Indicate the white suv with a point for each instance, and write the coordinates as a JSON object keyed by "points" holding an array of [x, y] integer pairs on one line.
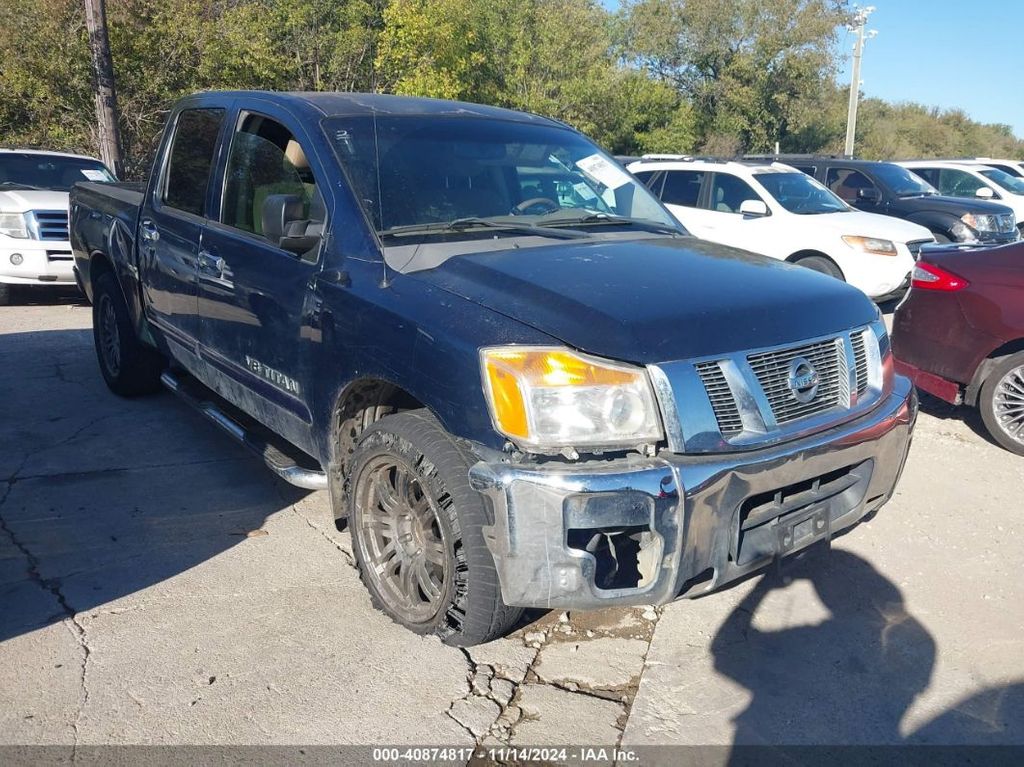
{"points": [[34, 186], [776, 210], [968, 178]]}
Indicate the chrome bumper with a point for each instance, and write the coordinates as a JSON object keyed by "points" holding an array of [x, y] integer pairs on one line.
{"points": [[711, 518]]}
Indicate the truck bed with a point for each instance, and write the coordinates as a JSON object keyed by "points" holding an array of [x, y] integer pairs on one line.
{"points": [[103, 220]]}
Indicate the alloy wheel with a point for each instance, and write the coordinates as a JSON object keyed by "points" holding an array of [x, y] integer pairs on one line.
{"points": [[1008, 404], [110, 337]]}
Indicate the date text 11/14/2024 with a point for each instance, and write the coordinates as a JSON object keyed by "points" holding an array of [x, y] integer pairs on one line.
{"points": [[501, 754]]}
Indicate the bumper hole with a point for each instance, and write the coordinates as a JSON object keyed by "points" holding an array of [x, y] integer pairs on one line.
{"points": [[625, 556]]}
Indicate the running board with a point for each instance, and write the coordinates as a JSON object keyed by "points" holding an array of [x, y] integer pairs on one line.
{"points": [[257, 439]]}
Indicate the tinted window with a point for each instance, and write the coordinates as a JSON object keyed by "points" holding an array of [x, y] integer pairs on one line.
{"points": [[188, 172], [901, 181], [931, 175], [958, 183], [682, 187], [32, 170], [645, 176], [810, 170], [1009, 169], [798, 193], [265, 160], [1004, 179], [729, 192], [847, 182]]}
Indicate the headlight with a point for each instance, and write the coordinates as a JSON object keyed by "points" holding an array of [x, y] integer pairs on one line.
{"points": [[14, 225], [962, 232], [552, 398], [870, 245], [983, 223]]}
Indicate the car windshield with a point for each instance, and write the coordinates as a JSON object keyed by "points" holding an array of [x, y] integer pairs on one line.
{"points": [[800, 194], [1004, 179], [431, 173], [901, 181], [29, 170]]}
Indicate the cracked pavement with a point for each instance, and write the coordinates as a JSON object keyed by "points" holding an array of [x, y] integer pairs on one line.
{"points": [[158, 585]]}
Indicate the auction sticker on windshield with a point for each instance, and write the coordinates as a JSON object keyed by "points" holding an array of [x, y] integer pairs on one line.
{"points": [[601, 170], [95, 175]]}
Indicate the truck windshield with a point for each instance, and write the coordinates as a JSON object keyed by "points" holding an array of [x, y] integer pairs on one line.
{"points": [[29, 170], [800, 194], [429, 173], [901, 181], [1010, 183]]}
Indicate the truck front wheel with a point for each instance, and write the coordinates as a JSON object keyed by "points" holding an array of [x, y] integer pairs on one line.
{"points": [[417, 533], [129, 367]]}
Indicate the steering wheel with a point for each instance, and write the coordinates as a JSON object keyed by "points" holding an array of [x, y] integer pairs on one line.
{"points": [[524, 207]]}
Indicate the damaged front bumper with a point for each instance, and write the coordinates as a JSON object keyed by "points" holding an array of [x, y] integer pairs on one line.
{"points": [[648, 530]]}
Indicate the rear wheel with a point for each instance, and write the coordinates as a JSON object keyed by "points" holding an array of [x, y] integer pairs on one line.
{"points": [[823, 265], [129, 367], [1002, 403], [417, 533]]}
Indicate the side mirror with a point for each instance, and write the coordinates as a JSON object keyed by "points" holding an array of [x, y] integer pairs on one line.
{"points": [[869, 195], [985, 193], [284, 223], [754, 208]]}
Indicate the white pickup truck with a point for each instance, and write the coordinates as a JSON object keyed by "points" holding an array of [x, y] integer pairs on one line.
{"points": [[34, 186]]}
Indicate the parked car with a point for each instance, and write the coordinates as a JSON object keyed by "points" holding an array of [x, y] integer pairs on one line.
{"points": [[776, 210], [959, 334], [514, 399], [969, 180], [1013, 167], [892, 190], [34, 247]]}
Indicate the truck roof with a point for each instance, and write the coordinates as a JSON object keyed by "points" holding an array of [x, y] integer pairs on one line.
{"points": [[354, 104]]}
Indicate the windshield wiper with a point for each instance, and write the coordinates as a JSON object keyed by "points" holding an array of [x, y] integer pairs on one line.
{"points": [[473, 222], [18, 185], [606, 218]]}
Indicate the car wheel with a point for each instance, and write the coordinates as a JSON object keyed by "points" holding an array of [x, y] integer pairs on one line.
{"points": [[1002, 403], [823, 265], [417, 533], [128, 366], [5, 294]]}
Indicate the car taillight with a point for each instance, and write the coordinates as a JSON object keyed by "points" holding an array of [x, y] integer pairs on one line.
{"points": [[932, 277]]}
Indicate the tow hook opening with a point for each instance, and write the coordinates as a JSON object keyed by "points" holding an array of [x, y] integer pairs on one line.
{"points": [[626, 556]]}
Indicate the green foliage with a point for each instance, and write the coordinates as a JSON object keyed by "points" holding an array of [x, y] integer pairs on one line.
{"points": [[718, 76]]}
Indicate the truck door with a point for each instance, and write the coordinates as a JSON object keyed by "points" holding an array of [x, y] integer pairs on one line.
{"points": [[171, 224], [256, 266]]}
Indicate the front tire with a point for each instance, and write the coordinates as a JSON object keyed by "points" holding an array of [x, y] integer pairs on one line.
{"points": [[823, 265], [417, 533], [1002, 403], [129, 367]]}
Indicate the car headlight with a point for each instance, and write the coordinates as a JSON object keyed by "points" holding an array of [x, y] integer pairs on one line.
{"points": [[963, 232], [552, 398], [985, 222], [14, 225], [872, 245]]}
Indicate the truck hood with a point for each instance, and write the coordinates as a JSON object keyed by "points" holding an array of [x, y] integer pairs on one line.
{"points": [[863, 224], [22, 200], [956, 206], [654, 300]]}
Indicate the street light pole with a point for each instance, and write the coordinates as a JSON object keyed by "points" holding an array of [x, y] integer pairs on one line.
{"points": [[860, 20]]}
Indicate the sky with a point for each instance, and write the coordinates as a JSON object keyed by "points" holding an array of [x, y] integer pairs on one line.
{"points": [[945, 53]]}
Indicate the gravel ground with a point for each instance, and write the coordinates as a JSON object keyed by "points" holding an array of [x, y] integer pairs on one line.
{"points": [[159, 586]]}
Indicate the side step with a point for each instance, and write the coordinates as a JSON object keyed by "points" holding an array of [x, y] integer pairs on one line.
{"points": [[281, 457]]}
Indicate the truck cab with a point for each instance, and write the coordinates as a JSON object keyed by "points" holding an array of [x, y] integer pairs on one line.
{"points": [[521, 381]]}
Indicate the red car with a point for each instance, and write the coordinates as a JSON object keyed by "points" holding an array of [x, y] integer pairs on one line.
{"points": [[959, 334]]}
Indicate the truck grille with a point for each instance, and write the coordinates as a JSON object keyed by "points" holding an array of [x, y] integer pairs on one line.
{"points": [[722, 402], [860, 361], [773, 371], [51, 224]]}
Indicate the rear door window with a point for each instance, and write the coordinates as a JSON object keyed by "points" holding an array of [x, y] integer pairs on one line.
{"points": [[682, 187], [728, 192], [187, 173]]}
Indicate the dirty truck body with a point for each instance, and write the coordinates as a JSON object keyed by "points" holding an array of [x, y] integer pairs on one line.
{"points": [[522, 383]]}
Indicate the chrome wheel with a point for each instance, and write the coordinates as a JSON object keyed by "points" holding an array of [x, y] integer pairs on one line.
{"points": [[401, 539], [1008, 404], [110, 337]]}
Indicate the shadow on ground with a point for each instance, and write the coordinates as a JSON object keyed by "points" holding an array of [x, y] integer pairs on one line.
{"points": [[850, 678], [101, 497]]}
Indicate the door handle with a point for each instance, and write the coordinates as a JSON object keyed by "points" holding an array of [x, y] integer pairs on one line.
{"points": [[211, 264], [149, 231]]}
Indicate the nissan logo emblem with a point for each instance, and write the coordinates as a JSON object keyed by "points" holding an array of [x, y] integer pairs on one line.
{"points": [[803, 380]]}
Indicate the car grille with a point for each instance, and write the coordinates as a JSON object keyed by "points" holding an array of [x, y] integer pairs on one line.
{"points": [[772, 371], [722, 402], [51, 224], [915, 247]]}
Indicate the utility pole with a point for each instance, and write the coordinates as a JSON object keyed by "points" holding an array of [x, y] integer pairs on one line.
{"points": [[103, 86], [860, 20]]}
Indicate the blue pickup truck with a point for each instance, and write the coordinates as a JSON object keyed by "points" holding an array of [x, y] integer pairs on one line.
{"points": [[522, 384]]}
